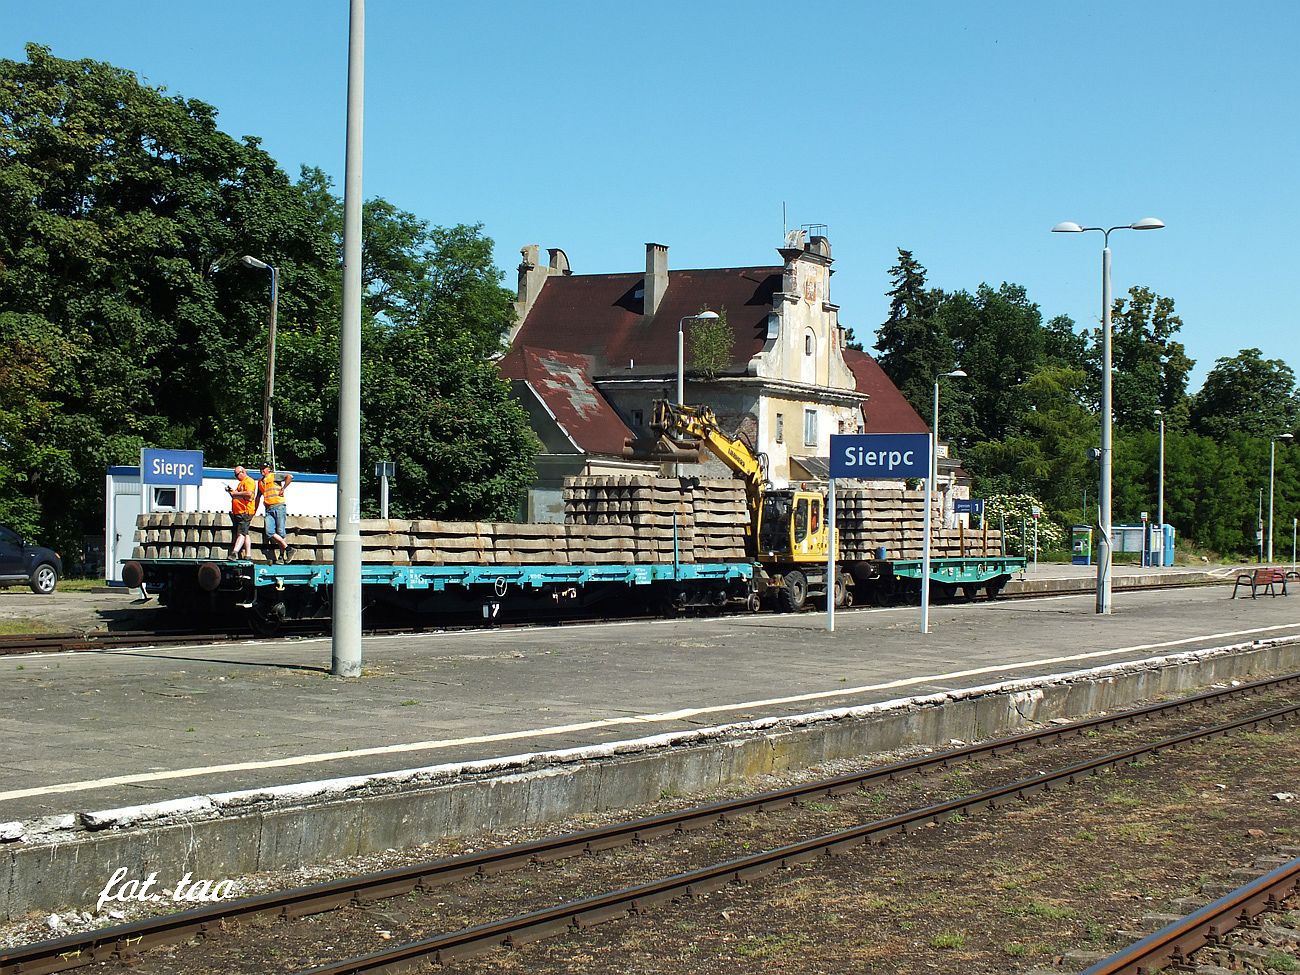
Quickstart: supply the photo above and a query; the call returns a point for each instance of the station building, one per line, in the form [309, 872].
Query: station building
[590, 353]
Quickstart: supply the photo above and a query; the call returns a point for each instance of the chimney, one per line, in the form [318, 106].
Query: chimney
[656, 277]
[532, 275]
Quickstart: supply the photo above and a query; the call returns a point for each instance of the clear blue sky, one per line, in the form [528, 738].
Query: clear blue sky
[959, 131]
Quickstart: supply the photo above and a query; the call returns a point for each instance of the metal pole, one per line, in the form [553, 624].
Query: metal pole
[1294, 522]
[1259, 523]
[1104, 562]
[925, 547]
[681, 364]
[1160, 505]
[1272, 456]
[383, 497]
[830, 558]
[934, 455]
[347, 540]
[268, 420]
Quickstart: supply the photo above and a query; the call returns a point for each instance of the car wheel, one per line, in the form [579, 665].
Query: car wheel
[44, 579]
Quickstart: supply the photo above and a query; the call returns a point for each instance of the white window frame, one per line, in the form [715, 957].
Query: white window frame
[809, 428]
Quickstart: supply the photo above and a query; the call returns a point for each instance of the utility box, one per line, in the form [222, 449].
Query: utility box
[1081, 545]
[126, 496]
[1161, 548]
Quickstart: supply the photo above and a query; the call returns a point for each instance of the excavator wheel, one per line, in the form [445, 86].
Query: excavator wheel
[794, 594]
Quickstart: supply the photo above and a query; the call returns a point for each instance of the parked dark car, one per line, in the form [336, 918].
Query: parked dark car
[32, 565]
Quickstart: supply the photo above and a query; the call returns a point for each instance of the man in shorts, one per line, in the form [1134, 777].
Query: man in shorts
[243, 502]
[271, 494]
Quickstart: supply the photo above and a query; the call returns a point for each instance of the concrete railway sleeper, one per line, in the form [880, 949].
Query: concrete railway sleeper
[128, 940]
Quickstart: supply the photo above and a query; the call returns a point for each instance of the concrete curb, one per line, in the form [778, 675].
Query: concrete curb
[1020, 587]
[63, 862]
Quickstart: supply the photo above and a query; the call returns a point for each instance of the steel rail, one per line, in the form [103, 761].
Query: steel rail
[579, 914]
[1175, 943]
[73, 950]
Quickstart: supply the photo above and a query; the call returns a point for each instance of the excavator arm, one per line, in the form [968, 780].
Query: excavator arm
[699, 425]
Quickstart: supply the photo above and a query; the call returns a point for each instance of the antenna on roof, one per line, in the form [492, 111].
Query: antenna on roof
[785, 226]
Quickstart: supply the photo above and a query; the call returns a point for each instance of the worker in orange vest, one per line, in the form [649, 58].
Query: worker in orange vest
[271, 496]
[243, 502]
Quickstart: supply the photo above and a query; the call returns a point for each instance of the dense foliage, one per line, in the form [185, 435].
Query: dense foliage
[127, 319]
[1028, 411]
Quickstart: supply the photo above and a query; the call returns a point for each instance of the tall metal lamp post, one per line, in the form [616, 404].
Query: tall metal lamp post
[268, 421]
[704, 316]
[1272, 451]
[1160, 497]
[1104, 581]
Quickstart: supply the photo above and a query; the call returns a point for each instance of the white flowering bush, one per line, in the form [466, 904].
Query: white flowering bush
[1010, 511]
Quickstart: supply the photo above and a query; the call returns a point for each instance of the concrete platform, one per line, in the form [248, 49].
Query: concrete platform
[232, 758]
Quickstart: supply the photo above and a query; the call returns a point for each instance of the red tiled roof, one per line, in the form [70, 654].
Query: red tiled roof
[600, 315]
[887, 410]
[562, 381]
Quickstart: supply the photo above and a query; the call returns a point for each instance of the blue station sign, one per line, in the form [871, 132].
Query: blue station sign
[171, 466]
[880, 456]
[968, 506]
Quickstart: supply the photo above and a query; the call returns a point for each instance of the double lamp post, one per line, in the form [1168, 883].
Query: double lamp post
[1104, 561]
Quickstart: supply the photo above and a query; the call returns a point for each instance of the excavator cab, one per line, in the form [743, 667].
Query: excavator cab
[792, 527]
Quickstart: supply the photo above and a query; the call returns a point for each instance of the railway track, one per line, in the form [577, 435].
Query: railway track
[125, 941]
[1182, 943]
[300, 629]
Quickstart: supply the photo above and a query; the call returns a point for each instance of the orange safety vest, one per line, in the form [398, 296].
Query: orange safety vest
[272, 493]
[245, 506]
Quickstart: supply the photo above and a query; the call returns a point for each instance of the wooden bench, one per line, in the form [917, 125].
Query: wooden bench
[1261, 579]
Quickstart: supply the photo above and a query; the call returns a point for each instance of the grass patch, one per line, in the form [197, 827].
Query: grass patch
[1275, 961]
[24, 626]
[1050, 912]
[771, 945]
[948, 939]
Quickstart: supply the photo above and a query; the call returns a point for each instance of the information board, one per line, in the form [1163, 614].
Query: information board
[171, 466]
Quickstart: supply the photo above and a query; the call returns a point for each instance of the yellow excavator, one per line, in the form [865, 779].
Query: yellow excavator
[787, 533]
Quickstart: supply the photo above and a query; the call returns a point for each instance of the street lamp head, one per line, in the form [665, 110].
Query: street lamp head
[1285, 436]
[254, 262]
[1148, 223]
[705, 316]
[957, 374]
[1067, 227]
[1158, 413]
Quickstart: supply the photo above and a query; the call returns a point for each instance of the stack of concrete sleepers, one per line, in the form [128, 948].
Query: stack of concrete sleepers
[709, 517]
[869, 519]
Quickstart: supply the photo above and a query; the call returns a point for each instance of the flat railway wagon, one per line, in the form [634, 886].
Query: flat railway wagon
[629, 545]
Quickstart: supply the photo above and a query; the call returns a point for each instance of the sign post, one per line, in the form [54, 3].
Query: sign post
[830, 558]
[881, 457]
[384, 470]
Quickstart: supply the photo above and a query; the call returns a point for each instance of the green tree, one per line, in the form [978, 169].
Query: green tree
[1249, 394]
[914, 347]
[999, 341]
[117, 203]
[709, 344]
[432, 401]
[1151, 366]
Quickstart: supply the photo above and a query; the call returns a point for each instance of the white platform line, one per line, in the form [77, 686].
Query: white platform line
[640, 719]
